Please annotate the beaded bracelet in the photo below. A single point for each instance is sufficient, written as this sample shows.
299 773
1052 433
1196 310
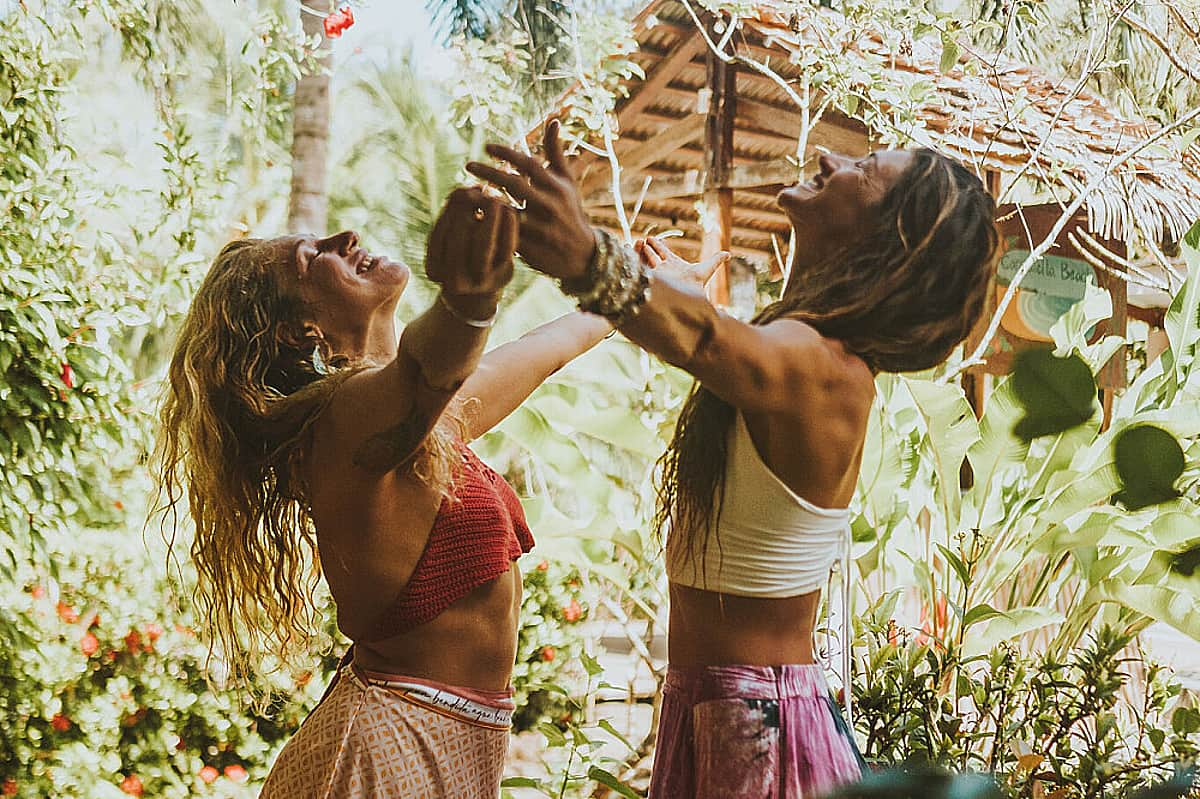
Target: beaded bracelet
616 284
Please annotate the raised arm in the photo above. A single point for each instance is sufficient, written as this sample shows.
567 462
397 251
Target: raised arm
383 415
507 375
755 368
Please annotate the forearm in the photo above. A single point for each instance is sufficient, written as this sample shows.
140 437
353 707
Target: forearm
444 347
677 323
510 373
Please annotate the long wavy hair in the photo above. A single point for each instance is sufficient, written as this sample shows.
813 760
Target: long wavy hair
901 298
249 375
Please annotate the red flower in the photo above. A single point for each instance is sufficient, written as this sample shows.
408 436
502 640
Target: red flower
60 722
88 644
208 774
132 785
67 375
337 22
543 566
180 744
133 641
573 612
38 591
236 773
153 631
10 787
67 613
119 505
548 653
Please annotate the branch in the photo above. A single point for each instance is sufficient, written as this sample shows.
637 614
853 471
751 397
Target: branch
976 357
1098 262
1141 25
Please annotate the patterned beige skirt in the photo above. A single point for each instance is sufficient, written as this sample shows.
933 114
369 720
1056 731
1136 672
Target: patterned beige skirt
379 735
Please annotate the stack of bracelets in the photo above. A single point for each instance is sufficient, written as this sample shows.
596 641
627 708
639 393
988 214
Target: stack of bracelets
616 284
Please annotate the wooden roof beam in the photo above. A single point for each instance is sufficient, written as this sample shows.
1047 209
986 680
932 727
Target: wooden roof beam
644 92
690 183
643 154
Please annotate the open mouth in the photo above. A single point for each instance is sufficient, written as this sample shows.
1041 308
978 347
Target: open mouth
368 263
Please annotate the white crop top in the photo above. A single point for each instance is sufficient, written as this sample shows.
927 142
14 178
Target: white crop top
770 542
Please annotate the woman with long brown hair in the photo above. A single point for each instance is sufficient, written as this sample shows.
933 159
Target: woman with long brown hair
309 437
893 257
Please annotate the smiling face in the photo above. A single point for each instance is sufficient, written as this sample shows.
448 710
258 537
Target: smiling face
350 293
833 210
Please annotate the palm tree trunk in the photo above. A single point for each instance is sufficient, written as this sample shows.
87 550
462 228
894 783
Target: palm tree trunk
308 208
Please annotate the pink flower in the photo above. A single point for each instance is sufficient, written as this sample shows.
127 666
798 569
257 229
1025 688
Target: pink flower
133 641
60 722
132 785
88 644
236 773
548 653
38 591
573 612
336 23
543 566
208 774
153 631
67 613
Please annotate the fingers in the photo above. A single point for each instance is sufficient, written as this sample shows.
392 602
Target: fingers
660 248
485 235
506 239
527 165
650 256
554 152
706 269
516 185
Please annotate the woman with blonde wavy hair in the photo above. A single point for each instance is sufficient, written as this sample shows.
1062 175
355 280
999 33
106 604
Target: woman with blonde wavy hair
303 429
892 261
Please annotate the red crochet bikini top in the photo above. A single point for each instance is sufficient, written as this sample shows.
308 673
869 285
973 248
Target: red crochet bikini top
477 534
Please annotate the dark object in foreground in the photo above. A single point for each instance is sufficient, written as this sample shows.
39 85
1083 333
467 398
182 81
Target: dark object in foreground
921 782
931 782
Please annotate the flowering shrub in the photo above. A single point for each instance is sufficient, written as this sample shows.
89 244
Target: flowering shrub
546 673
106 695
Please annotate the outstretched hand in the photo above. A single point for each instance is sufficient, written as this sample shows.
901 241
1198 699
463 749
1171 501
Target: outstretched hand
658 256
471 246
556 237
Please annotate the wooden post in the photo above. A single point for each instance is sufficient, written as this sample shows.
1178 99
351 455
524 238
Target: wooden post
718 161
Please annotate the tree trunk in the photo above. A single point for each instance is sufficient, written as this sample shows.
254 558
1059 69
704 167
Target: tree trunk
308 208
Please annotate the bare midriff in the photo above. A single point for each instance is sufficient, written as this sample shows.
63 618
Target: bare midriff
708 628
471 644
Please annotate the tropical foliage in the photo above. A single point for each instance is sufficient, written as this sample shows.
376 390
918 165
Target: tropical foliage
998 622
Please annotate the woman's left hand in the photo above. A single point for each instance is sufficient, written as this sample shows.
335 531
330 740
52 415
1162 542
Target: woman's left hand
556 237
658 256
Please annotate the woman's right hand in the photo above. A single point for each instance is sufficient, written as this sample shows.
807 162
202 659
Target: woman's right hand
471 246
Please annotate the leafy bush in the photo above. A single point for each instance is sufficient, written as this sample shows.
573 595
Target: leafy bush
1098 720
106 693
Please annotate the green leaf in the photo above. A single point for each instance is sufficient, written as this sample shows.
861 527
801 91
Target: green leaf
950 53
956 563
607 726
1149 461
592 666
979 613
1057 393
520 782
1192 237
606 779
554 736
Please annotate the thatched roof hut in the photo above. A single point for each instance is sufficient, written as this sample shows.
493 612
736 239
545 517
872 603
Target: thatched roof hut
696 124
